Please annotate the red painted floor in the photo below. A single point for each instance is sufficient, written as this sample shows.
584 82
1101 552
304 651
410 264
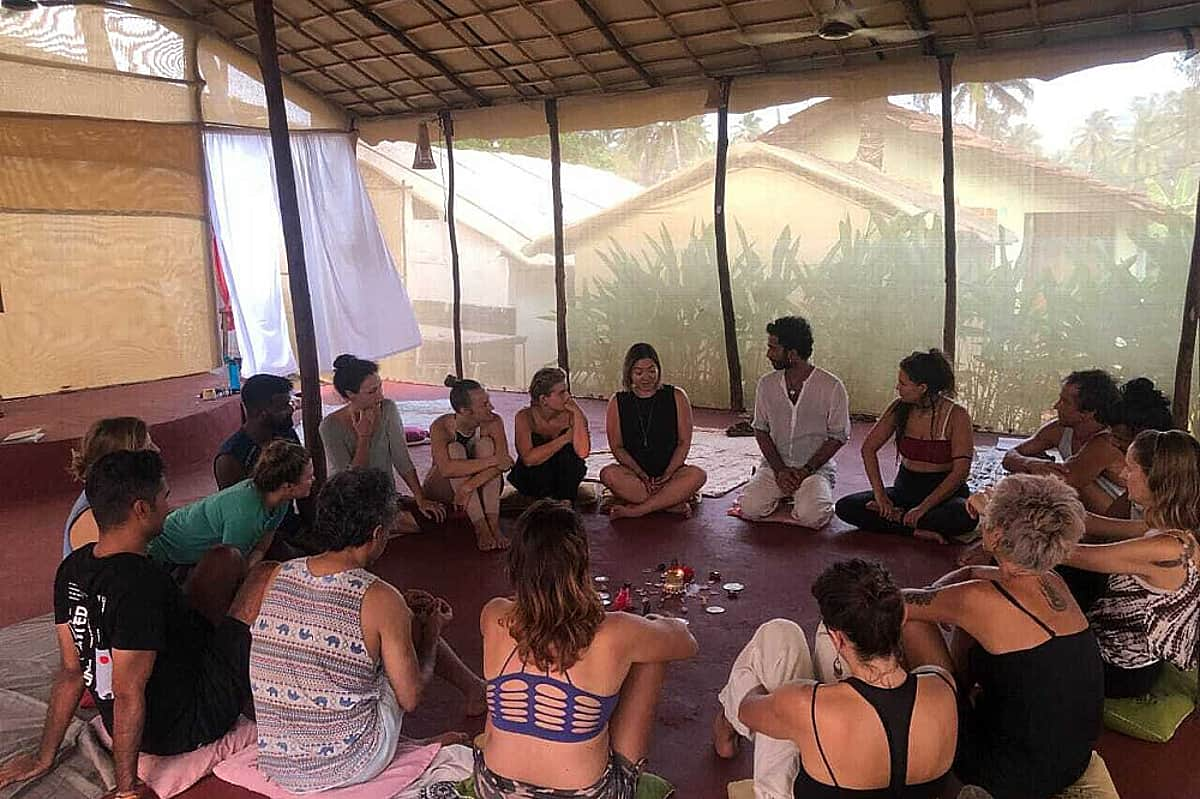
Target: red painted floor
776 563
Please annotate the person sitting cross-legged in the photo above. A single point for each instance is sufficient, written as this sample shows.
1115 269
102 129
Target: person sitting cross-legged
339 654
877 727
168 671
243 516
571 689
649 427
801 419
935 444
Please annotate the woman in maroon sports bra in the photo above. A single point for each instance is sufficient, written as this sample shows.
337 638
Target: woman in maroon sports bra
935 442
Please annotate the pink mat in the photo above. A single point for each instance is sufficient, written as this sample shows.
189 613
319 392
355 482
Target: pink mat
409 764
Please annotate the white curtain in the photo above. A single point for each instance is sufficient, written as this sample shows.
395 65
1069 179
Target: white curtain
245 215
359 304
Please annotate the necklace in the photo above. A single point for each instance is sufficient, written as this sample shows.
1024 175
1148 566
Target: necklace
644 422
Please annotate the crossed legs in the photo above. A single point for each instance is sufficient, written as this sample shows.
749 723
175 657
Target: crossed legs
637 500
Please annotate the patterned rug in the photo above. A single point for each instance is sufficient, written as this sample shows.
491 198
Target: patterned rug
727 461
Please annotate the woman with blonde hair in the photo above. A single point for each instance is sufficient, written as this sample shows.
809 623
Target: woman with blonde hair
104 436
1149 613
571 690
552 440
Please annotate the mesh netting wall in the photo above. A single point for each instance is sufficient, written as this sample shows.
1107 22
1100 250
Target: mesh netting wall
101 210
1096 206
642 265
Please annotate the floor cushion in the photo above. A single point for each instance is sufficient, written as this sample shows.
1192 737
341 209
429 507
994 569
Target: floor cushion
1156 716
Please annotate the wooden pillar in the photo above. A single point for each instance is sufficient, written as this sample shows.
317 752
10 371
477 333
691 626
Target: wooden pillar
455 276
950 312
733 357
1187 335
293 237
560 258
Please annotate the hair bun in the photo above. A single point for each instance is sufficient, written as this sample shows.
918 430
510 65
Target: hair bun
451 381
342 361
1139 385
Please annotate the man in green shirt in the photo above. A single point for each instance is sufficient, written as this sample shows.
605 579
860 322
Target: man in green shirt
243 516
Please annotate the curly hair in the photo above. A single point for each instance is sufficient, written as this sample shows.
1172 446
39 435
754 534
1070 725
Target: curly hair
351 505
859 598
1039 519
1098 394
1144 407
105 436
793 333
281 462
556 612
1171 463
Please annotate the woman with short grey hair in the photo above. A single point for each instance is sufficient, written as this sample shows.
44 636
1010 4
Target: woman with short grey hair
1021 647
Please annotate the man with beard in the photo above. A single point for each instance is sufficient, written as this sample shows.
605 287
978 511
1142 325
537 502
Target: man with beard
801 418
267 400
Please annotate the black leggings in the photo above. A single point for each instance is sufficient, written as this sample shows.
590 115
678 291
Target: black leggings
911 488
556 478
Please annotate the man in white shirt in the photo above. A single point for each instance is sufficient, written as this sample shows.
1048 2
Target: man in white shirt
801 418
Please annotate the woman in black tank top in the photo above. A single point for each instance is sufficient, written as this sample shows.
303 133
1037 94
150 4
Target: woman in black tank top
874 730
649 427
1022 647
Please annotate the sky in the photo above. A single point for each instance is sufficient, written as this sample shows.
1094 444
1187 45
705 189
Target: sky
1061 105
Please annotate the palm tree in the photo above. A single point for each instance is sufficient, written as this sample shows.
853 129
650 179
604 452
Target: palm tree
991 106
749 128
1024 137
1096 142
1142 156
657 150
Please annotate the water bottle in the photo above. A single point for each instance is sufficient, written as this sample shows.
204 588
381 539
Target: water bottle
235 374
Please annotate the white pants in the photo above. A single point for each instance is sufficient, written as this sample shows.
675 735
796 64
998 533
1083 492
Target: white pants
776 654
812 502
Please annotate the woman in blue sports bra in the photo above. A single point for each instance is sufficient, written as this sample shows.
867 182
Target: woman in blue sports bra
859 724
571 689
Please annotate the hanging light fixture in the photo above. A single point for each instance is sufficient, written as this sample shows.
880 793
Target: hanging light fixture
423 158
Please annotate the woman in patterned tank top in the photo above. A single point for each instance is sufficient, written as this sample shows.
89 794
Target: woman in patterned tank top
1149 613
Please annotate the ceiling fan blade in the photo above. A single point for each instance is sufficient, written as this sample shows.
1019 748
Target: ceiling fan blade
894 34
844 12
772 37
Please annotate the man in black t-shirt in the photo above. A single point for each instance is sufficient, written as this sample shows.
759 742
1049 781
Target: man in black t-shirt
164 678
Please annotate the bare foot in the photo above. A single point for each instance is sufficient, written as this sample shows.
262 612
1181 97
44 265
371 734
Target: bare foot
623 512
930 535
683 509
477 700
724 736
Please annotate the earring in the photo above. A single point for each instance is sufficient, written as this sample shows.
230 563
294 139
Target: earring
838 670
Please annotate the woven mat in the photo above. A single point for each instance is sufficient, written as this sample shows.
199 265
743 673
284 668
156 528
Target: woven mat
727 461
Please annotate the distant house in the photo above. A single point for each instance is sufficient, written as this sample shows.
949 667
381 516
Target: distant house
503 202
767 188
1044 208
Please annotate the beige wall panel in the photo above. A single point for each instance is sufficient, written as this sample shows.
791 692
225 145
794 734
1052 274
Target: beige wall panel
94 301
50 90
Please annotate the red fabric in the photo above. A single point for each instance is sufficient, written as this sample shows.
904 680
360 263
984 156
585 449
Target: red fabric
225 310
925 450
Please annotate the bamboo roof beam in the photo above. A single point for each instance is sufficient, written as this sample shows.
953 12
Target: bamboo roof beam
612 39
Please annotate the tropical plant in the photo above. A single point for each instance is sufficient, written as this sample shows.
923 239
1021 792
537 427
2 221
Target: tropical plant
991 107
750 127
1096 142
656 151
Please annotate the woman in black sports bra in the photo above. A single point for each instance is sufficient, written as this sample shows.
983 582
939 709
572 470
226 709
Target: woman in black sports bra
1021 647
876 731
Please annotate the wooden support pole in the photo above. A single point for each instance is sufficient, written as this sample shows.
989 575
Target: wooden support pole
732 356
293 236
1187 335
950 312
560 258
455 275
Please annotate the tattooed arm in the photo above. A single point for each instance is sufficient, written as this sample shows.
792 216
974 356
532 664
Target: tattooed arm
952 603
1159 557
